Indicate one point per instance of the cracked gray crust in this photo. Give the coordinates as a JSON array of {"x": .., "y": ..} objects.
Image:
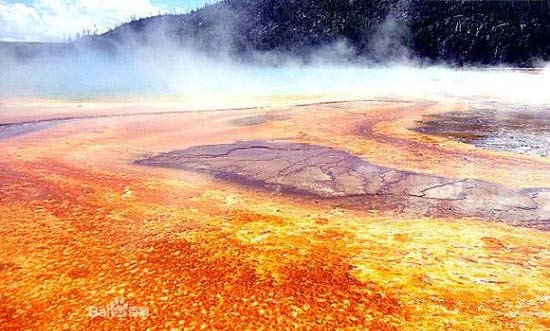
[{"x": 335, "y": 174}]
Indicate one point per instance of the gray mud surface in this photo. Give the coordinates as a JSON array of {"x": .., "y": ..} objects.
[
  {"x": 523, "y": 132},
  {"x": 328, "y": 173}
]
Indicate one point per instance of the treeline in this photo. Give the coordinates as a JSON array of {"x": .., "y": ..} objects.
[{"x": 458, "y": 32}]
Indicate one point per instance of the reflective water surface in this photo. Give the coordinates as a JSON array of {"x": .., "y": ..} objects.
[{"x": 518, "y": 131}]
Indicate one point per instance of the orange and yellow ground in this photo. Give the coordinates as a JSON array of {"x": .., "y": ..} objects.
[{"x": 81, "y": 226}]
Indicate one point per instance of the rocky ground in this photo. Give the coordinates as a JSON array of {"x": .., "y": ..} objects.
[{"x": 331, "y": 173}]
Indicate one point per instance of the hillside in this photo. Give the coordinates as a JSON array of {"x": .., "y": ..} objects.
[
  {"x": 457, "y": 32},
  {"x": 513, "y": 33},
  {"x": 28, "y": 50}
]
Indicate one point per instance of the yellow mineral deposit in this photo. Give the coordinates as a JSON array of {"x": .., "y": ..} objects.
[{"x": 90, "y": 240}]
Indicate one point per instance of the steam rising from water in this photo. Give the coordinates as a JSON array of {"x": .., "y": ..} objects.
[{"x": 165, "y": 71}]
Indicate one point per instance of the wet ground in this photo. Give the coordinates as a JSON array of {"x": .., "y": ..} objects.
[
  {"x": 195, "y": 245},
  {"x": 13, "y": 130},
  {"x": 517, "y": 131}
]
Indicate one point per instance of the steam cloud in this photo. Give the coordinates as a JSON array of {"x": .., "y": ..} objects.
[{"x": 161, "y": 69}]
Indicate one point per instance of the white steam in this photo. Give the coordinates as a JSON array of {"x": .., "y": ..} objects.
[{"x": 167, "y": 71}]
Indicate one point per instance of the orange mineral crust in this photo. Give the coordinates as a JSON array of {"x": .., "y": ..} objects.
[{"x": 90, "y": 240}]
